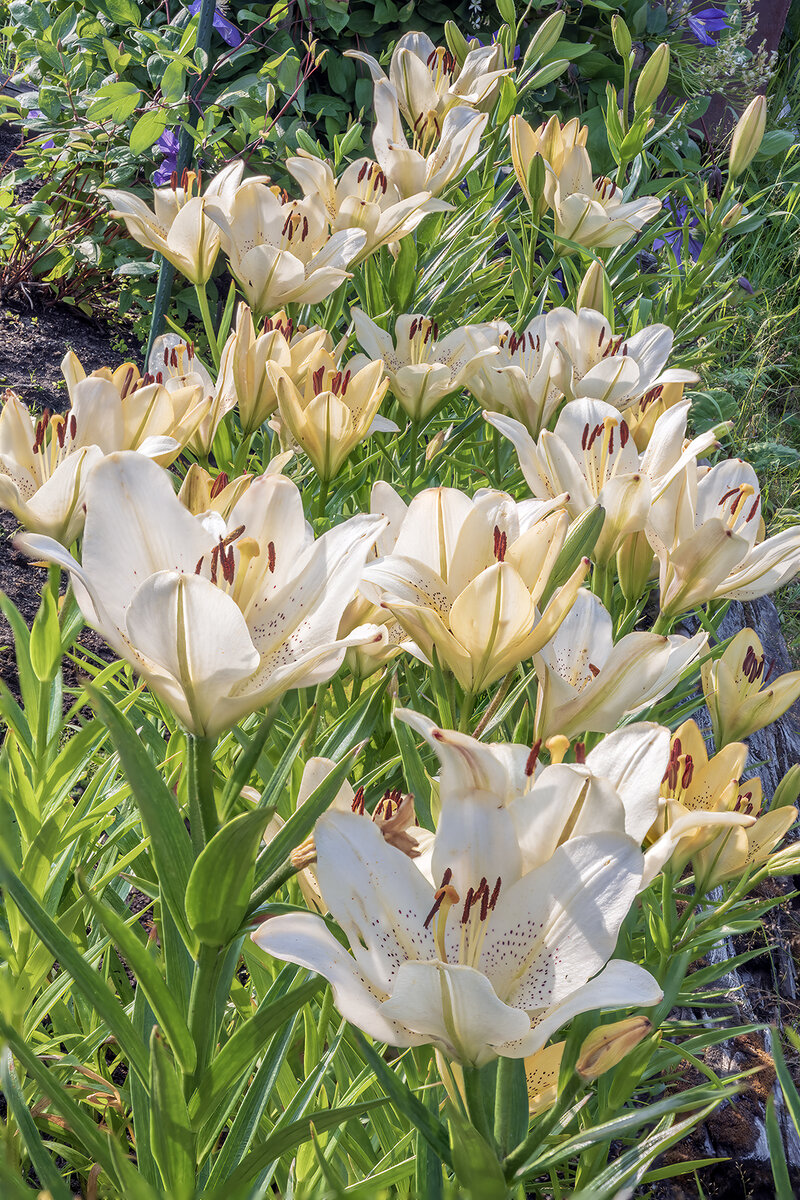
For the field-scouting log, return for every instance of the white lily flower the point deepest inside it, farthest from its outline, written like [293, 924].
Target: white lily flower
[552, 141]
[479, 967]
[518, 378]
[434, 159]
[178, 226]
[428, 81]
[337, 409]
[422, 369]
[589, 683]
[591, 456]
[465, 578]
[364, 198]
[592, 212]
[592, 361]
[281, 252]
[43, 470]
[256, 398]
[498, 795]
[705, 530]
[220, 617]
[198, 403]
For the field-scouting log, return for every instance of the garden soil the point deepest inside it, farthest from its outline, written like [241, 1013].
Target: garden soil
[34, 337]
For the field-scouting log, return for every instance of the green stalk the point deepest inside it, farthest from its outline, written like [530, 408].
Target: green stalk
[476, 1108]
[201, 1009]
[202, 805]
[412, 452]
[663, 623]
[208, 324]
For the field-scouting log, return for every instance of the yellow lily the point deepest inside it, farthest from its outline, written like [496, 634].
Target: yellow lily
[738, 693]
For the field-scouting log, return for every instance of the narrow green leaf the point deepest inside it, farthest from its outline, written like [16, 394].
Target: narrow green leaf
[86, 980]
[244, 1047]
[415, 774]
[221, 882]
[777, 1156]
[43, 1163]
[790, 1092]
[169, 840]
[171, 1138]
[287, 1139]
[149, 979]
[404, 1099]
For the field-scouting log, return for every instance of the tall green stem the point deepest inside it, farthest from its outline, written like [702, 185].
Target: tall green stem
[208, 324]
[202, 805]
[412, 452]
[476, 1107]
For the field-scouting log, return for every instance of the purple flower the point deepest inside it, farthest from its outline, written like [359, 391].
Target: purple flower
[706, 22]
[225, 28]
[676, 238]
[31, 115]
[168, 144]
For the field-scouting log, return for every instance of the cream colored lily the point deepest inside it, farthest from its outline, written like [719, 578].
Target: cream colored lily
[218, 617]
[591, 361]
[705, 531]
[592, 212]
[552, 141]
[643, 413]
[178, 226]
[154, 416]
[465, 578]
[435, 158]
[336, 410]
[202, 493]
[591, 456]
[421, 369]
[281, 252]
[478, 966]
[517, 378]
[694, 783]
[428, 81]
[256, 398]
[198, 403]
[587, 682]
[363, 198]
[43, 470]
[739, 695]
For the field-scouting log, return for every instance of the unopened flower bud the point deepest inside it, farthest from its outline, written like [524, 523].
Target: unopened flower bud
[747, 136]
[621, 36]
[545, 38]
[652, 80]
[708, 206]
[788, 790]
[507, 10]
[435, 444]
[456, 42]
[732, 218]
[592, 289]
[608, 1045]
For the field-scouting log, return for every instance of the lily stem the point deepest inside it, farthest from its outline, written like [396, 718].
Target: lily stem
[202, 805]
[412, 452]
[322, 498]
[473, 1092]
[208, 324]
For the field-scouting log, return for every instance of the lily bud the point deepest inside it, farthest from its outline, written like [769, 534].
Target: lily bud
[608, 1045]
[507, 10]
[456, 42]
[652, 80]
[788, 790]
[621, 36]
[591, 293]
[747, 136]
[544, 39]
[634, 565]
[732, 218]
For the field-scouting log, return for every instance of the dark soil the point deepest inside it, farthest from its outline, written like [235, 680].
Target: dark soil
[34, 337]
